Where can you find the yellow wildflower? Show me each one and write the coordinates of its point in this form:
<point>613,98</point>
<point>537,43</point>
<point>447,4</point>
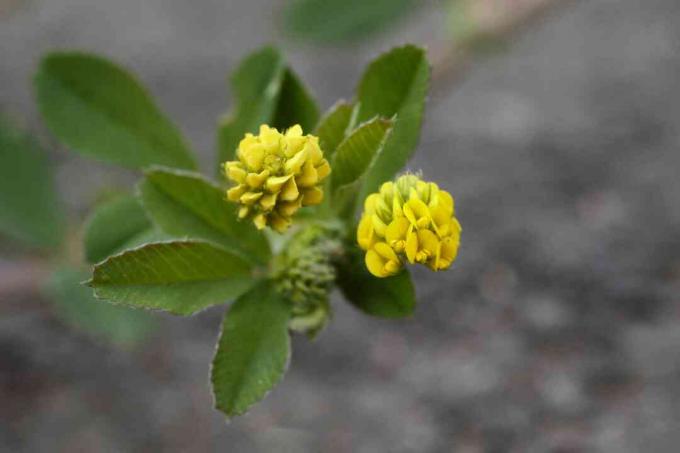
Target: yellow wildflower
<point>275,175</point>
<point>408,220</point>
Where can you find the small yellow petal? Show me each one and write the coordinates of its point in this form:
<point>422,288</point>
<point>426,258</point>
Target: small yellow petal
<point>249,198</point>
<point>419,208</point>
<point>269,135</point>
<point>293,145</point>
<point>245,143</point>
<point>234,194</point>
<point>365,236</point>
<point>274,183</point>
<point>392,267</point>
<point>312,196</point>
<point>255,180</point>
<point>383,210</point>
<point>314,153</point>
<point>378,225</point>
<point>288,208</point>
<point>243,212</point>
<point>409,214</point>
<point>397,211</point>
<point>290,191</point>
<point>260,221</point>
<point>396,230</point>
<point>323,170</point>
<point>385,251</point>
<point>308,177</point>
<point>294,164</point>
<point>387,189</point>
<point>449,249</point>
<point>411,246</point>
<point>235,172</point>
<point>369,204</point>
<point>254,157</point>
<point>427,240</point>
<point>294,131</point>
<point>375,264</point>
<point>268,201</point>
<point>446,200</point>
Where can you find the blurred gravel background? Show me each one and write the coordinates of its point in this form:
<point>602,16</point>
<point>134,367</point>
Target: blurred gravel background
<point>557,331</point>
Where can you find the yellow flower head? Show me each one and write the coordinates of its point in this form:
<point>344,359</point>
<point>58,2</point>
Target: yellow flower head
<point>408,220</point>
<point>275,175</point>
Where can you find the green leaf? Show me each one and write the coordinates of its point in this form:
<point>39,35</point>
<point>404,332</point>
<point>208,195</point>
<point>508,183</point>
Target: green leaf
<point>355,154</point>
<point>266,92</point>
<point>100,110</point>
<point>253,350</point>
<point>295,105</point>
<point>343,20</point>
<point>76,306</point>
<point>114,225</point>
<point>29,209</point>
<point>394,84</point>
<point>181,277</point>
<point>391,297</point>
<point>256,85</point>
<point>185,204</point>
<point>333,127</point>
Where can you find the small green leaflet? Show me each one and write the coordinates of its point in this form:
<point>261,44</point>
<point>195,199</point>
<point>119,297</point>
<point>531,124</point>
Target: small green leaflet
<point>185,204</point>
<point>355,154</point>
<point>395,83</point>
<point>75,304</point>
<point>181,277</point>
<point>253,350</point>
<point>333,128</point>
<point>113,225</point>
<point>100,110</point>
<point>29,208</point>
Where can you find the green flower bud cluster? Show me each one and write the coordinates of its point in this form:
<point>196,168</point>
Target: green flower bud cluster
<point>305,275</point>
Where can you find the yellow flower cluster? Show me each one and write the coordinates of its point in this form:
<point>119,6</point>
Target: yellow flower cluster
<point>275,175</point>
<point>408,220</point>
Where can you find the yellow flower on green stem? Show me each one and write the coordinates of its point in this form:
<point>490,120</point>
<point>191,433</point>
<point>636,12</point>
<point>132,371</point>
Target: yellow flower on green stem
<point>408,220</point>
<point>276,174</point>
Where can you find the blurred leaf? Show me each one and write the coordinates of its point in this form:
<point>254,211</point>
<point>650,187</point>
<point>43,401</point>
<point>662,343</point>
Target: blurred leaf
<point>29,209</point>
<point>394,84</point>
<point>181,277</point>
<point>355,154</point>
<point>77,306</point>
<point>391,297</point>
<point>185,204</point>
<point>253,350</point>
<point>113,225</point>
<point>333,127</point>
<point>343,20</point>
<point>98,109</point>
<point>265,92</point>
<point>295,105</point>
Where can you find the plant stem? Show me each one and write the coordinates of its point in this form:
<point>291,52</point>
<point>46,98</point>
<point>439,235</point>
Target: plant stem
<point>488,20</point>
